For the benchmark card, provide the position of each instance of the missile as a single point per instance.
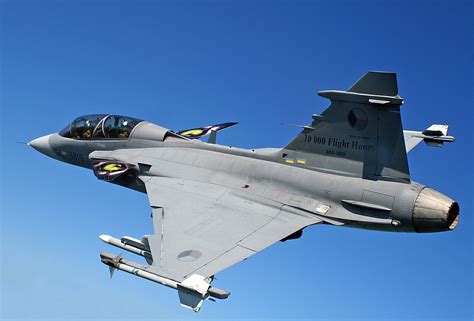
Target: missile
(129, 244)
(136, 243)
(121, 264)
(116, 262)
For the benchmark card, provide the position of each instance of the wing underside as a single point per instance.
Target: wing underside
(203, 228)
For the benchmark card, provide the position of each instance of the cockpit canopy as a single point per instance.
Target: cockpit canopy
(100, 126)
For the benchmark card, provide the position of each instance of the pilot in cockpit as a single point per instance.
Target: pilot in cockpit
(101, 126)
(87, 134)
(125, 128)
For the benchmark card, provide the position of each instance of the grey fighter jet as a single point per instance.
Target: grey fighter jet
(214, 206)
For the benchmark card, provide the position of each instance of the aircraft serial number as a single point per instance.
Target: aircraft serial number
(78, 157)
(335, 153)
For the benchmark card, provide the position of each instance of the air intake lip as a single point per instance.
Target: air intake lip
(434, 212)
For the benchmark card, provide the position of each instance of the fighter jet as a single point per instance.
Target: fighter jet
(214, 205)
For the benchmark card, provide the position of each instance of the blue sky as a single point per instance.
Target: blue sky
(189, 63)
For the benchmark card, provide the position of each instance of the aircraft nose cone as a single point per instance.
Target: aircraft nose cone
(43, 146)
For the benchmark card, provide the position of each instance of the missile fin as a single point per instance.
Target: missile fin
(112, 271)
(115, 261)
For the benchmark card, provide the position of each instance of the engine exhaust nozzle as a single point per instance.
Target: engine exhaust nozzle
(434, 212)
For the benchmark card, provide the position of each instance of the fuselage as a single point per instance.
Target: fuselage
(265, 175)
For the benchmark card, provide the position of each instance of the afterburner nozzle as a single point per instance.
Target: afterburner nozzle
(434, 212)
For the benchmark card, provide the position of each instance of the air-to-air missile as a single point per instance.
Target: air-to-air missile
(129, 244)
(192, 290)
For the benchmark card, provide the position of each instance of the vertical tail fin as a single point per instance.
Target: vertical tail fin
(359, 134)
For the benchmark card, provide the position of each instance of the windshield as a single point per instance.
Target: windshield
(100, 126)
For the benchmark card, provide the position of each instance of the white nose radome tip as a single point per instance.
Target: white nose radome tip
(42, 145)
(40, 142)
